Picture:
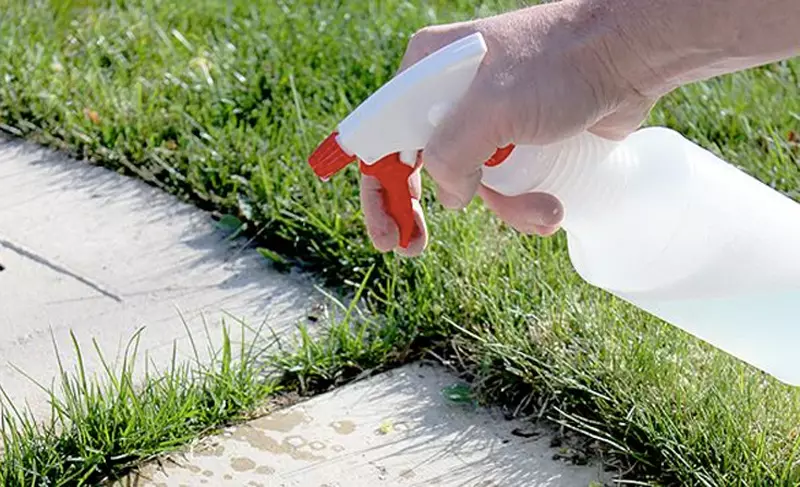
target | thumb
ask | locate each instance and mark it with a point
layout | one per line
(531, 213)
(460, 145)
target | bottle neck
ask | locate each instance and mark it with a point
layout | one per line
(586, 174)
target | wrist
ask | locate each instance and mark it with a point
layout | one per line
(612, 48)
(638, 47)
(656, 46)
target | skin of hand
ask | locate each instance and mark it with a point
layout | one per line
(543, 79)
(557, 69)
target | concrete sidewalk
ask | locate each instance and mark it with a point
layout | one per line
(88, 251)
(396, 429)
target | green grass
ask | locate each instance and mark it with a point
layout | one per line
(220, 102)
(100, 428)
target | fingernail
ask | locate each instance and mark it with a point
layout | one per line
(547, 212)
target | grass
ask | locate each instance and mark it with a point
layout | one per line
(100, 428)
(221, 102)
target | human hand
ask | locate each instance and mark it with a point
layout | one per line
(547, 75)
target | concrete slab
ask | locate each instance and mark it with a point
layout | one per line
(396, 429)
(86, 250)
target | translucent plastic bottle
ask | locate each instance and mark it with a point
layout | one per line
(669, 227)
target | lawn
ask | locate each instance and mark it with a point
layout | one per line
(220, 102)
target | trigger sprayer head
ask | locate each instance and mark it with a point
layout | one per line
(393, 174)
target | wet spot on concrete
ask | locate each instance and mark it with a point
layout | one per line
(242, 464)
(265, 470)
(282, 421)
(317, 445)
(203, 481)
(259, 440)
(344, 427)
(216, 451)
(295, 441)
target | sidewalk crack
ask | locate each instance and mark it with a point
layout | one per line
(39, 259)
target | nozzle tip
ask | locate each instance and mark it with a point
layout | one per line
(329, 158)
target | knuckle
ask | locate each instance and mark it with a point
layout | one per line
(430, 38)
(419, 43)
(421, 34)
(500, 109)
(439, 165)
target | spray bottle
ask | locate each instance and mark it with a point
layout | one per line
(653, 219)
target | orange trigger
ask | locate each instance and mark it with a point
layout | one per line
(393, 175)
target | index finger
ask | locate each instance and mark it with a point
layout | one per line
(429, 39)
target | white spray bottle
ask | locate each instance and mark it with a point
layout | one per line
(655, 219)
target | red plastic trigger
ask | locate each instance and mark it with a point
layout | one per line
(393, 175)
(500, 155)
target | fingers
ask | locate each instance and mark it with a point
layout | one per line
(532, 213)
(459, 147)
(420, 239)
(467, 137)
(381, 227)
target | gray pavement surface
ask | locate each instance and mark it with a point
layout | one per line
(395, 429)
(86, 250)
